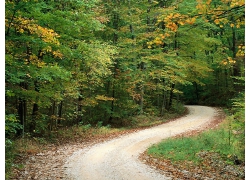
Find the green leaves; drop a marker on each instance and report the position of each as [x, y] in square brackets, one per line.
[11, 125]
[118, 58]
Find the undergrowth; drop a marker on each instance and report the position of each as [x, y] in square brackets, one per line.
[20, 148]
[228, 141]
[224, 141]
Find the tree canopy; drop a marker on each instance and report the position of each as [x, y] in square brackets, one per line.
[69, 62]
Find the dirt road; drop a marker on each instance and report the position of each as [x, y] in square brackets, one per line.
[118, 158]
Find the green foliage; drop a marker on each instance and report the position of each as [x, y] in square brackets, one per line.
[237, 123]
[12, 125]
[228, 141]
[9, 157]
[94, 63]
[187, 148]
[86, 127]
[177, 107]
[119, 58]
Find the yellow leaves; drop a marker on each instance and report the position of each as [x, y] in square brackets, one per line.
[102, 19]
[47, 35]
[208, 2]
[173, 20]
[229, 61]
[181, 23]
[23, 25]
[33, 59]
[21, 31]
[172, 26]
[241, 47]
[40, 64]
[241, 51]
[190, 20]
[235, 3]
[104, 98]
[223, 21]
[158, 21]
[149, 44]
[202, 7]
[57, 54]
[47, 49]
[89, 102]
[240, 23]
[217, 21]
[155, 41]
[222, 13]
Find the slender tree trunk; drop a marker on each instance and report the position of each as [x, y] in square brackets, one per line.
[142, 65]
[22, 114]
[35, 110]
[142, 90]
[22, 110]
[236, 70]
[115, 39]
[52, 114]
[164, 100]
[148, 17]
[113, 94]
[171, 96]
[79, 108]
[142, 99]
[60, 106]
[226, 79]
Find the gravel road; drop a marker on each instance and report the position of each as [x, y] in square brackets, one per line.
[118, 158]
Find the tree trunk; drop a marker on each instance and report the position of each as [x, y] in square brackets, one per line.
[148, 17]
[35, 110]
[236, 71]
[115, 39]
[22, 113]
[164, 100]
[171, 96]
[79, 109]
[22, 110]
[196, 92]
[113, 94]
[142, 89]
[60, 106]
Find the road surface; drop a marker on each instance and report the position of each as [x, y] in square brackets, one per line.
[117, 159]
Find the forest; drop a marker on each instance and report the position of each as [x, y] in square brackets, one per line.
[98, 62]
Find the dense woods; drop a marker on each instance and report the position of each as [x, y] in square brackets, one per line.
[72, 62]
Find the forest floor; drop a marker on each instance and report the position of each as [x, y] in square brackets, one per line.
[63, 161]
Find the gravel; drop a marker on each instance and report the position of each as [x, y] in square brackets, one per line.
[118, 158]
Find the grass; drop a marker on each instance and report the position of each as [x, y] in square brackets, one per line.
[221, 141]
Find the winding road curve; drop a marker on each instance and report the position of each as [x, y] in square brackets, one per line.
[117, 159]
